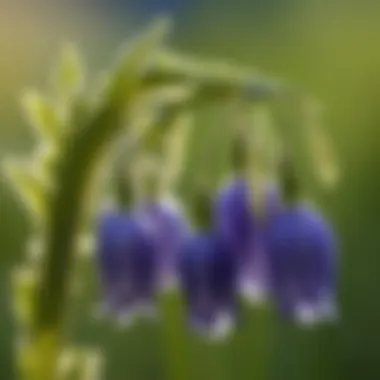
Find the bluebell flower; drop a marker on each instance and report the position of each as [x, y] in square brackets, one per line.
[242, 227]
[302, 255]
[234, 214]
[128, 264]
[208, 274]
[168, 226]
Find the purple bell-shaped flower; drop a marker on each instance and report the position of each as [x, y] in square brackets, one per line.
[128, 264]
[168, 226]
[234, 215]
[302, 256]
[244, 228]
[208, 274]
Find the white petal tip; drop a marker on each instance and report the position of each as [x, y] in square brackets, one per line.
[147, 311]
[311, 315]
[172, 206]
[222, 328]
[255, 294]
[169, 284]
[126, 319]
[306, 316]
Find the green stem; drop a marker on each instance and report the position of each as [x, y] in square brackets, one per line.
[66, 209]
[202, 213]
[240, 152]
[122, 180]
[175, 338]
[289, 179]
[78, 161]
[153, 145]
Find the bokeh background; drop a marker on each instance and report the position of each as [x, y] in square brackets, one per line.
[329, 47]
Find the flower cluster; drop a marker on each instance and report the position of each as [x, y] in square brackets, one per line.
[230, 249]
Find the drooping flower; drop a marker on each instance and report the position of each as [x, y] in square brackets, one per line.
[302, 255]
[234, 214]
[243, 227]
[168, 225]
[128, 264]
[208, 274]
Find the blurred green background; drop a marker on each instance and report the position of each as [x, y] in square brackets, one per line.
[328, 47]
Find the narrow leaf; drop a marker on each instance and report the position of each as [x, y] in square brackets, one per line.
[148, 171]
[175, 150]
[322, 153]
[38, 357]
[77, 363]
[44, 160]
[41, 114]
[325, 163]
[263, 151]
[68, 364]
[24, 282]
[34, 248]
[216, 81]
[91, 365]
[134, 62]
[69, 75]
[264, 143]
[147, 107]
[28, 186]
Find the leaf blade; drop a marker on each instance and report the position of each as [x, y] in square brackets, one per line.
[40, 114]
[30, 188]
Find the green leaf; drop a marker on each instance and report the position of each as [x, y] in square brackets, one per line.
[165, 119]
[264, 150]
[76, 363]
[149, 106]
[24, 280]
[322, 154]
[31, 189]
[41, 114]
[38, 356]
[162, 148]
[148, 171]
[68, 364]
[44, 160]
[34, 248]
[325, 163]
[175, 150]
[133, 63]
[91, 364]
[164, 96]
[216, 81]
[69, 75]
[176, 64]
